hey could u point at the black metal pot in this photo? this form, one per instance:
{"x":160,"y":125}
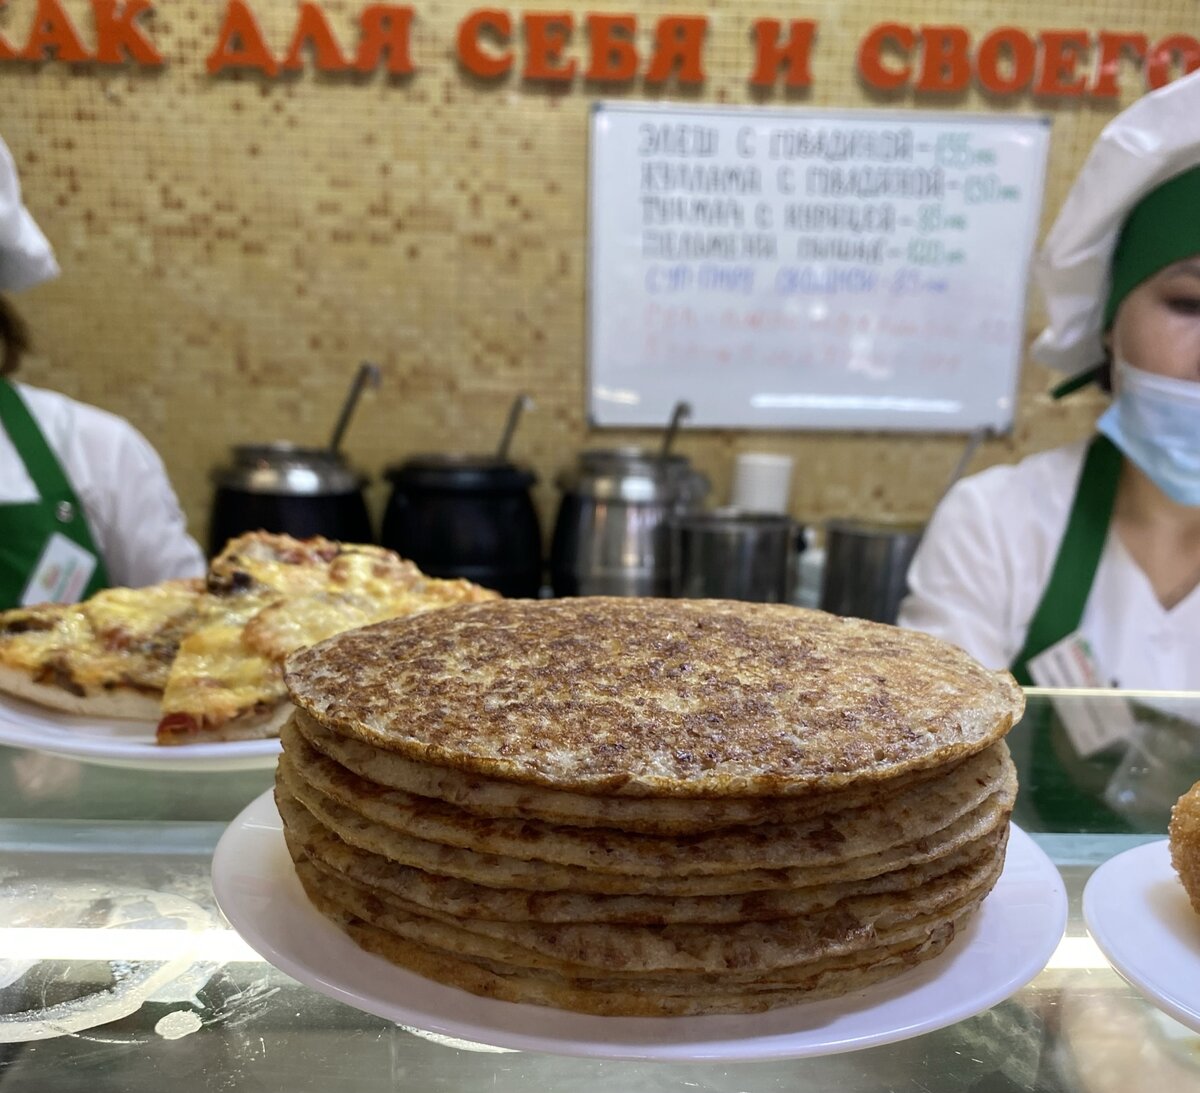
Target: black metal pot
{"x":284,"y":488}
{"x":466,"y":516}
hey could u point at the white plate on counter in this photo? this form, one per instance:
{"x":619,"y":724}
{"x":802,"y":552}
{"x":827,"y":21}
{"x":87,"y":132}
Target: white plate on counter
{"x":122,"y":743}
{"x":1006,"y":945}
{"x":1138,"y":914}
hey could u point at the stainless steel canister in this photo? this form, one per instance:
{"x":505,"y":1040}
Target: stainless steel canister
{"x":866,"y":567}
{"x":611,"y":535}
{"x":734,"y":555}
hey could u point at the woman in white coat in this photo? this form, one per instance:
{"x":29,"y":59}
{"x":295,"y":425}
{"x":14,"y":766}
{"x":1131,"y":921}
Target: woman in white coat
{"x":1095,"y":546}
{"x":85,"y":502}
{"x":1081,"y":565}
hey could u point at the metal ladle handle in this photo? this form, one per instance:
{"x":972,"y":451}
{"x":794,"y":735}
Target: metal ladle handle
{"x":367,"y":373}
{"x":681,"y":410}
{"x":520,"y":404}
{"x":974,"y":439}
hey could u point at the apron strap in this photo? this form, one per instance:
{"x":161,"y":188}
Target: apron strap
{"x":57,"y":509}
{"x":1061,"y":797}
{"x":1061,"y":607}
{"x":41,"y":463}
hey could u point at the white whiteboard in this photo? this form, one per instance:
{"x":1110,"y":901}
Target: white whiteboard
{"x":803,"y":268}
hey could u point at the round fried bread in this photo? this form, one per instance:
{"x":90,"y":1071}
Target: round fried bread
{"x":837,"y":836}
{"x":687,"y":698}
{"x":649,"y":997}
{"x":499,"y":871}
{"x":738,"y":952}
{"x":493,"y":798}
{"x":1184,"y":832}
{"x":877,"y":900}
{"x":463,"y":899}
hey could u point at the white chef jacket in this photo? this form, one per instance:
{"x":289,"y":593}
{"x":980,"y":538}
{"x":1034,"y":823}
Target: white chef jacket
{"x":986,"y":559}
{"x":131,"y":509}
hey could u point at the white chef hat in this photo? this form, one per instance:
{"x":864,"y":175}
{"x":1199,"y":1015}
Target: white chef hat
{"x":1134,"y":209}
{"x":26,"y":257}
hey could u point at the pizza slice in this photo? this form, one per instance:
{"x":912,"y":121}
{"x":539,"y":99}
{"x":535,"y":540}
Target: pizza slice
{"x":262,"y":561}
{"x":271,"y":595}
{"x":362,"y":587}
{"x":204,"y":659}
{"x":219,"y":690}
{"x":107,"y":657}
{"x":144,"y":626}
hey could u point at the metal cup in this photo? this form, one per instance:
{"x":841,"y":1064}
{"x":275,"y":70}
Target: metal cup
{"x":866,"y":568}
{"x":733,"y":555}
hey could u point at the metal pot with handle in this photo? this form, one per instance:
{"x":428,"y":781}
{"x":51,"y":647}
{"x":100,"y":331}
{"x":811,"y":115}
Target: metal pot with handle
{"x":611,"y":535}
{"x":466,"y":516}
{"x":866,"y":567}
{"x":732,"y":554}
{"x":281,"y":487}
{"x":867,"y":561}
{"x":469,"y":516}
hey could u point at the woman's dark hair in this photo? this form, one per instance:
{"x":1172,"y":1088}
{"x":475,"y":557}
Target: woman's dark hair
{"x":14,"y":338}
{"x":1104,"y":376}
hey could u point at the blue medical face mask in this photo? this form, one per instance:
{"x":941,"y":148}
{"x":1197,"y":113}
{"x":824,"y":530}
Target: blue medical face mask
{"x":1155,"y":422}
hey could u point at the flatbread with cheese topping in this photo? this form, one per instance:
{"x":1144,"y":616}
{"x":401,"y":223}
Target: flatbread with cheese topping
{"x":203,"y":659}
{"x":271,"y":596}
{"x":109,"y":656}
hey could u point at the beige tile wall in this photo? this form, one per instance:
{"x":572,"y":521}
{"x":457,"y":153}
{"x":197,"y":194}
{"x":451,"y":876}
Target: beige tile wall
{"x":232,"y":247}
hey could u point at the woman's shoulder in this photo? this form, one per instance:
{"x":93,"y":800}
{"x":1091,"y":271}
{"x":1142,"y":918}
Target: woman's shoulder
{"x":57,"y":413}
{"x":1017,"y":504}
{"x":1048,"y":477}
{"x":93,"y":444}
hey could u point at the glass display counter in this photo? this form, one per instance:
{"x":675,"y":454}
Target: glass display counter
{"x":117,"y":972}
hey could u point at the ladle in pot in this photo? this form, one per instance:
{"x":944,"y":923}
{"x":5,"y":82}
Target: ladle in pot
{"x":519,"y":405}
{"x":367,"y":373}
{"x":974,"y":439}
{"x":682,"y":410}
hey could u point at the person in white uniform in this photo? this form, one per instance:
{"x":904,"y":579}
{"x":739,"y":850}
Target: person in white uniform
{"x":85,"y":502}
{"x":1095,"y":547}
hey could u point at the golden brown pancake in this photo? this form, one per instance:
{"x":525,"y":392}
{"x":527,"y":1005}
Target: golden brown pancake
{"x":646,"y":807}
{"x":837,"y":836}
{"x":689,"y":698}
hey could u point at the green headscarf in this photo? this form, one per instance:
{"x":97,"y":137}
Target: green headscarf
{"x":1162,"y":228}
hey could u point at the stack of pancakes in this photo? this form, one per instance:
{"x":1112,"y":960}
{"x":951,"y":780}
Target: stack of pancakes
{"x":645,"y":807}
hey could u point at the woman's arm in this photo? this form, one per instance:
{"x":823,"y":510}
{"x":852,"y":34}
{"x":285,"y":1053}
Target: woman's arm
{"x":961,"y":581}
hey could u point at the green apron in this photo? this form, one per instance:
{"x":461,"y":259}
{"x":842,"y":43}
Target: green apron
{"x":26,"y":528}
{"x":1065,"y":791}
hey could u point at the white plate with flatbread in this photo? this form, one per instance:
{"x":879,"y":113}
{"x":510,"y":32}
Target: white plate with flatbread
{"x":122,"y":743}
{"x":1138,"y":914}
{"x":1009,"y":941}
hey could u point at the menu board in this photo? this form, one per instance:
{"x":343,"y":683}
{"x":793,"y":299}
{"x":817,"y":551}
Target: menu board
{"x":809,"y":269}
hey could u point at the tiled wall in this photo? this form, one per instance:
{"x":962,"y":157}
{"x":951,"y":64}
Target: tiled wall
{"x":232,"y":247}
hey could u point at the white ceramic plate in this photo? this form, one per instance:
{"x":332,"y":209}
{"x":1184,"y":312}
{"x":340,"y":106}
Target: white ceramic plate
{"x":121,"y":743}
{"x":1139,"y":915}
{"x":1007,"y":944}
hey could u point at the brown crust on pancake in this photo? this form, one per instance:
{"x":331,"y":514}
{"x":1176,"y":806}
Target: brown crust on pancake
{"x":688,"y":698}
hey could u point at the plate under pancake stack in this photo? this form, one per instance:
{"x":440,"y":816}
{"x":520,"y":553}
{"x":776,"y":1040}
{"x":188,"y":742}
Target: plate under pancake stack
{"x":646,"y":807}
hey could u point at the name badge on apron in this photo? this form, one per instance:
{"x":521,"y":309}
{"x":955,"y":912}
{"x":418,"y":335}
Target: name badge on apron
{"x":1093,"y":723}
{"x":47,"y":552}
{"x":61,"y":573}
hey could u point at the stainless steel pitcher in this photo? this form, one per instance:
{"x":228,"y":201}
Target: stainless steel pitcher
{"x":734,"y":555}
{"x":866,"y":567}
{"x":611,"y":535}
